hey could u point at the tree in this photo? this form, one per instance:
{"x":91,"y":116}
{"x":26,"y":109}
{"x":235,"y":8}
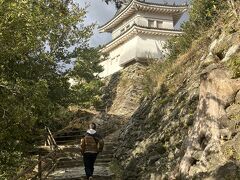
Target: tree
{"x":38,"y":40}
{"x":118,"y":3}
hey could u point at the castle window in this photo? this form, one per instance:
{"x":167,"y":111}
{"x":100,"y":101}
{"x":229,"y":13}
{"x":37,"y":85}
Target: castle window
{"x":122,"y":30}
{"x":159,"y":24}
{"x":150,"y":23}
{"x":117,"y":59}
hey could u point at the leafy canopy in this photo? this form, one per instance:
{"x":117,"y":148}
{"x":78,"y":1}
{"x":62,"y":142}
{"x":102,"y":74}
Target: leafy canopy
{"x":39,"y":39}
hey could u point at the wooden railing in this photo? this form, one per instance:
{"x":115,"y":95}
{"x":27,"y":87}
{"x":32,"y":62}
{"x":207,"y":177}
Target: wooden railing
{"x":50,"y":141}
{"x":45,"y":164}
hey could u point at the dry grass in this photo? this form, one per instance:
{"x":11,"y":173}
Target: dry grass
{"x":162,"y":72}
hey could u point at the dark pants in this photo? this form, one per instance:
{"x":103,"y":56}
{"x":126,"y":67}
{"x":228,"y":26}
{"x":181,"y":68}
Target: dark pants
{"x":89,"y":160}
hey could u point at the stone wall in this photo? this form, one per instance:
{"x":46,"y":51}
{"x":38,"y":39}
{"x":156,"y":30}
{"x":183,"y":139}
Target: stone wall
{"x":190,"y":129}
{"x":150,"y":143}
{"x":124,"y":89}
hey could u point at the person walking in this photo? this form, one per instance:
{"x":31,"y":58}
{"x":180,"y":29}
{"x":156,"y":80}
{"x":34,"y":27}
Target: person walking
{"x":91,"y":144}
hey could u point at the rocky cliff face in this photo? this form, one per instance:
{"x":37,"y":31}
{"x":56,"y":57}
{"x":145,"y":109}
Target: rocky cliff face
{"x":123,"y":90}
{"x":212,"y":147}
{"x":190,"y":129}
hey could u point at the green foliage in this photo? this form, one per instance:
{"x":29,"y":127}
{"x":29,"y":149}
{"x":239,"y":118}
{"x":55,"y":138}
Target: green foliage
{"x":234,"y":65}
{"x":87,"y":94}
{"x":38,"y":39}
{"x":116,"y":2}
{"x":86,"y":90}
{"x":202,"y":14}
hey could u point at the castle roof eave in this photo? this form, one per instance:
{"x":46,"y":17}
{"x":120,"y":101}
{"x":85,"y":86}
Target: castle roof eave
{"x":137,"y":29}
{"x":135,"y":5}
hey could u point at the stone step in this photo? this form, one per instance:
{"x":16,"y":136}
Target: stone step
{"x":74,"y":155}
{"x":76,"y":148}
{"x":77,"y":151}
{"x":78,"y":164}
{"x":108,"y":147}
{"x":84,"y":178}
{"x":81,"y":160}
{"x":76,"y":140}
{"x":64,"y":163}
{"x":78,"y":173}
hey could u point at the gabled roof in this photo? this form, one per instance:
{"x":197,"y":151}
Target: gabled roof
{"x":136,"y":5}
{"x":137,"y":29}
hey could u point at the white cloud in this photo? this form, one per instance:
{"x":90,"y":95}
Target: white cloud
{"x":98,"y":12}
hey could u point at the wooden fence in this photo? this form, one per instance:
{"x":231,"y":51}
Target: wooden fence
{"x":45,"y":164}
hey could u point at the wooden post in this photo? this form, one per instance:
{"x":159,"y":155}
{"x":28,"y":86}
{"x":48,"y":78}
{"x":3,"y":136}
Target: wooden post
{"x":54,"y":159}
{"x":40,"y":166}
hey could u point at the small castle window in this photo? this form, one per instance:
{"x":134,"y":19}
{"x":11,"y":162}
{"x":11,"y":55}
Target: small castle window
{"x":122,"y":30}
{"x":117,"y":58}
{"x":159,"y":24}
{"x":150,"y":23}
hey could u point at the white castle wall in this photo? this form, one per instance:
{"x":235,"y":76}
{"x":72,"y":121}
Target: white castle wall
{"x":125,"y":25}
{"x":110,"y":66}
{"x":141,"y":18}
{"x":139,"y":47}
{"x":125,"y":51}
{"x":165,"y":18}
{"x":151,"y":47}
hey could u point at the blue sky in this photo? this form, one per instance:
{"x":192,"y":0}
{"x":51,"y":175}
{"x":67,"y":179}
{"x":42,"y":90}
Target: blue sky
{"x":99,"y":12}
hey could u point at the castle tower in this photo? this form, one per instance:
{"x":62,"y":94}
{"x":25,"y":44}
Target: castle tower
{"x":139,"y":31}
